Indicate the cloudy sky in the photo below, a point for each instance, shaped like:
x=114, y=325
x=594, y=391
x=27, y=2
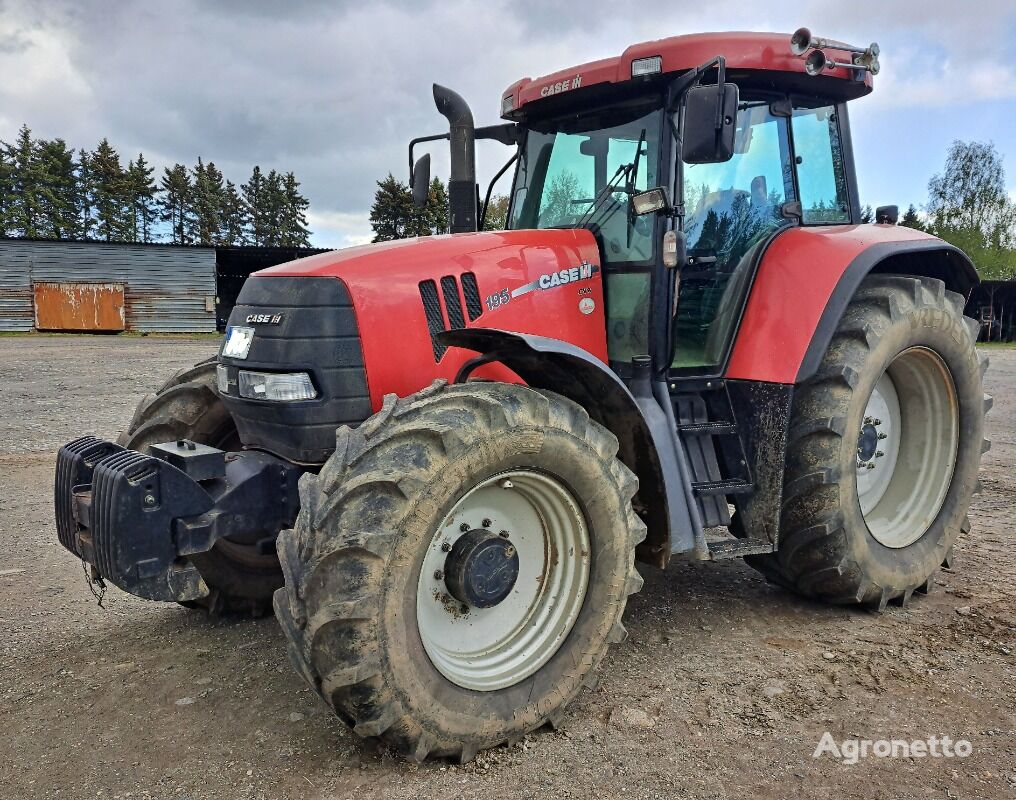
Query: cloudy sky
x=333, y=90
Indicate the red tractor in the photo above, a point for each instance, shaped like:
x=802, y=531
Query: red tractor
x=444, y=456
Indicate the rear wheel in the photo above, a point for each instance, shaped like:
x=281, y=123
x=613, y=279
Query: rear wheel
x=188, y=406
x=460, y=566
x=884, y=448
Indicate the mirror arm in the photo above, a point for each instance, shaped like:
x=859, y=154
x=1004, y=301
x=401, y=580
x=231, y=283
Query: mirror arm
x=419, y=140
x=490, y=188
x=721, y=81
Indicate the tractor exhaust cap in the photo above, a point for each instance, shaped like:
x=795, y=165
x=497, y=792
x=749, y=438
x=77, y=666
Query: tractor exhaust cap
x=462, y=181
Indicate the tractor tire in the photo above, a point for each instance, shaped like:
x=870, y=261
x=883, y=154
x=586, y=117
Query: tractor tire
x=883, y=450
x=383, y=549
x=188, y=407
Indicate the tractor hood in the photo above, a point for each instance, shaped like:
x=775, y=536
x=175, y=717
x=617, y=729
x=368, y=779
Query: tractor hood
x=406, y=292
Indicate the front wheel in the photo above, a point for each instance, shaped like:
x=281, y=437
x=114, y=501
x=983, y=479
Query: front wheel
x=460, y=566
x=884, y=447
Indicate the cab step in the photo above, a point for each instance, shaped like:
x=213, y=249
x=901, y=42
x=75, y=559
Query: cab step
x=709, y=428
x=738, y=548
x=724, y=487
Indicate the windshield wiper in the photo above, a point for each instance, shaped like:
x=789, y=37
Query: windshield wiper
x=627, y=171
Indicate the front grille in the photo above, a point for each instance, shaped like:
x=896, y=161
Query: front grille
x=317, y=334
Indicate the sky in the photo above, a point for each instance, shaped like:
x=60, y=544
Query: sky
x=333, y=90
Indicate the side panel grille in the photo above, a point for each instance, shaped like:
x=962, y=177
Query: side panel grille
x=435, y=320
x=450, y=315
x=453, y=305
x=472, y=292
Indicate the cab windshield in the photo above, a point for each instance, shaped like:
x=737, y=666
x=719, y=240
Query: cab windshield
x=581, y=169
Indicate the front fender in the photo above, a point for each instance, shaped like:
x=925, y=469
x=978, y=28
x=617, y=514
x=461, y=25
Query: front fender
x=646, y=445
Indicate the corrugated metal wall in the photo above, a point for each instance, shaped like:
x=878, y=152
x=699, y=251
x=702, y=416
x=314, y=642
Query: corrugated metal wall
x=167, y=288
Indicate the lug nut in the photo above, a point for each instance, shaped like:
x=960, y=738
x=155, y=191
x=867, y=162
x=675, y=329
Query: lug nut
x=438, y=575
x=869, y=465
x=509, y=552
x=883, y=436
x=464, y=527
x=507, y=484
x=879, y=454
x=486, y=523
x=149, y=499
x=877, y=422
x=503, y=534
x=445, y=547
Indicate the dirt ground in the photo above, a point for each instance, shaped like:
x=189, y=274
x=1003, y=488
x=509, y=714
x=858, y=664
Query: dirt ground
x=723, y=690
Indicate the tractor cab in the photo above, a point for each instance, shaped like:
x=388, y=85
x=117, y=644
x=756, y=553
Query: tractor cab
x=738, y=148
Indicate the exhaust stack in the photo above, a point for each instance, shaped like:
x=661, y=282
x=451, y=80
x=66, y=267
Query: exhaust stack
x=462, y=181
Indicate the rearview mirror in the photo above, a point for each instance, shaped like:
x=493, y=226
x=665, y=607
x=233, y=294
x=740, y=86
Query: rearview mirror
x=650, y=202
x=709, y=116
x=420, y=180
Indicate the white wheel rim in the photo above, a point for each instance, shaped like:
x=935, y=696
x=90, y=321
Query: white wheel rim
x=906, y=450
x=491, y=648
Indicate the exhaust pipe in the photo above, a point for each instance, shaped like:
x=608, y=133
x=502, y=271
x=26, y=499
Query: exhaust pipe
x=462, y=182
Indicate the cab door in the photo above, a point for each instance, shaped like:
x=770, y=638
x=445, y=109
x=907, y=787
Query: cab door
x=731, y=209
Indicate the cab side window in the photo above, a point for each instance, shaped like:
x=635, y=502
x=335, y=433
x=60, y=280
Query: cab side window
x=820, y=173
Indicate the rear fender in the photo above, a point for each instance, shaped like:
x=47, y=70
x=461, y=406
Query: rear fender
x=807, y=278
x=645, y=444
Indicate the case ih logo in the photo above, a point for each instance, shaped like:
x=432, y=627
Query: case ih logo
x=561, y=86
x=268, y=319
x=551, y=280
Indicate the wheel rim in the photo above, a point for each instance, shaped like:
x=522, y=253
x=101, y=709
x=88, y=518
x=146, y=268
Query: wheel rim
x=906, y=448
x=491, y=648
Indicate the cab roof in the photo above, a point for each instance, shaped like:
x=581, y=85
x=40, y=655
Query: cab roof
x=745, y=52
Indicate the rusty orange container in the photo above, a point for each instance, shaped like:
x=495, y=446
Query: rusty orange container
x=79, y=306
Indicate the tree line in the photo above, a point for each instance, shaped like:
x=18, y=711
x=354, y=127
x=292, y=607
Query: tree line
x=393, y=214
x=51, y=191
x=968, y=206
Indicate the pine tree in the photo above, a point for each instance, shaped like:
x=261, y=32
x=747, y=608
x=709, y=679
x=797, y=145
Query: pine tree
x=141, y=190
x=58, y=195
x=867, y=215
x=175, y=203
x=25, y=208
x=252, y=194
x=392, y=214
x=233, y=223
x=6, y=192
x=293, y=231
x=273, y=202
x=112, y=204
x=435, y=213
x=85, y=195
x=911, y=219
x=208, y=202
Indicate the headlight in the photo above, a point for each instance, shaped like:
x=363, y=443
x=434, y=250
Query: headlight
x=222, y=378
x=276, y=385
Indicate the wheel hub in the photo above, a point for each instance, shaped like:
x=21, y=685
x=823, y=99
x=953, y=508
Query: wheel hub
x=481, y=569
x=503, y=580
x=867, y=442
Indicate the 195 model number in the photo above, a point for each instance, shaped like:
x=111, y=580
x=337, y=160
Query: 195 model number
x=502, y=298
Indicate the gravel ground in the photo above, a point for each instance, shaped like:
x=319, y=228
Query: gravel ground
x=723, y=689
